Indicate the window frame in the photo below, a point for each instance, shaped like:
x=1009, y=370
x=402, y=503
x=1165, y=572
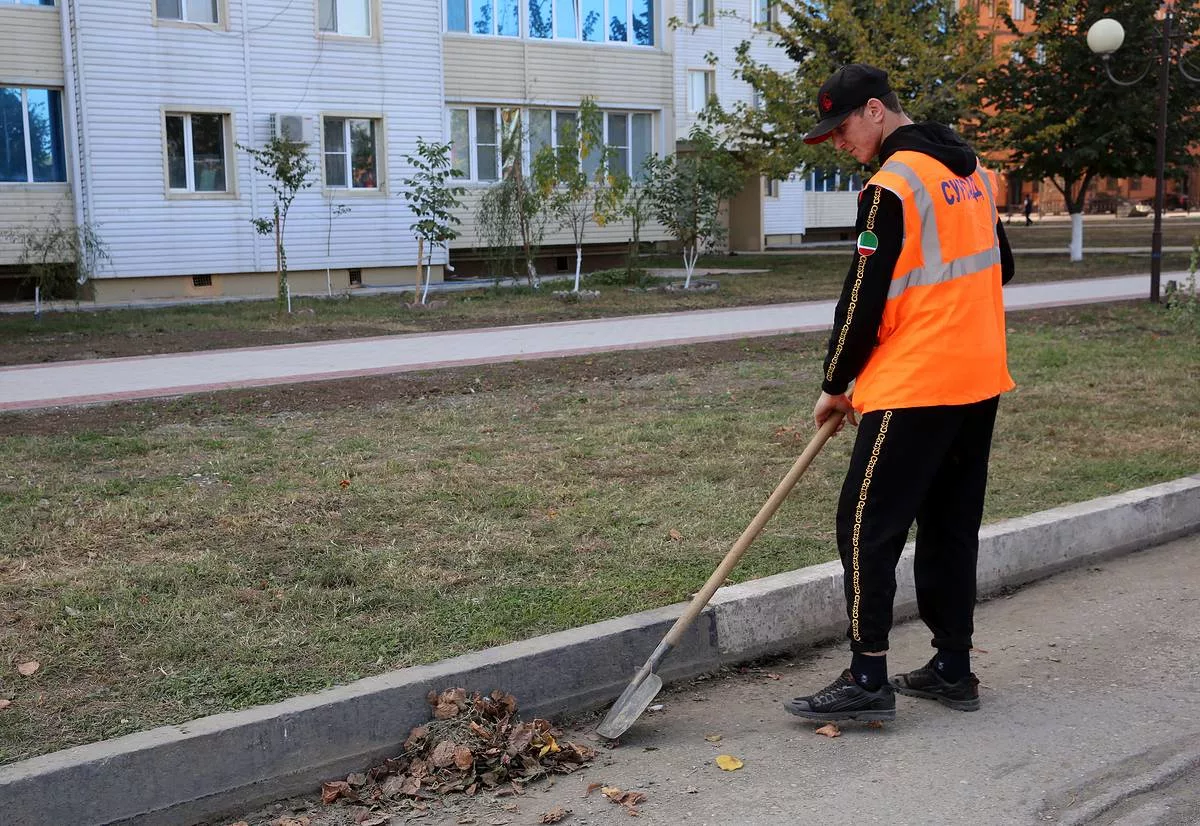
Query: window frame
x=710, y=89
x=374, y=21
x=38, y=5
x=27, y=135
x=772, y=15
x=381, y=177
x=527, y=144
x=228, y=127
x=524, y=29
x=701, y=8
x=222, y=23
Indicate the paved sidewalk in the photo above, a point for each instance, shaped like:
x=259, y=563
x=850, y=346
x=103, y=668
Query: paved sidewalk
x=28, y=387
x=1089, y=716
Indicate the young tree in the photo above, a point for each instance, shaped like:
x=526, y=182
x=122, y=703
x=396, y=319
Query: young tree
x=57, y=258
x=686, y=191
x=514, y=209
x=1054, y=114
x=577, y=180
x=432, y=201
x=932, y=52
x=636, y=207
x=287, y=166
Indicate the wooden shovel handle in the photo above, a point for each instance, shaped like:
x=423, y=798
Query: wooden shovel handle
x=752, y=530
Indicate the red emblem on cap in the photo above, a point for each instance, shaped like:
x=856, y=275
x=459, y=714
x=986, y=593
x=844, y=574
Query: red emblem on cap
x=826, y=102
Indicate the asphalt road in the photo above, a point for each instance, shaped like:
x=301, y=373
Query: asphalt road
x=1090, y=714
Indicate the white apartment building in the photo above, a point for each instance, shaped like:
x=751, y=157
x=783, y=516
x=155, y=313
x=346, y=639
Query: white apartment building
x=128, y=116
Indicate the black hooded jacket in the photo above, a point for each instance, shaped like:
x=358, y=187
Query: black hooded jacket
x=858, y=332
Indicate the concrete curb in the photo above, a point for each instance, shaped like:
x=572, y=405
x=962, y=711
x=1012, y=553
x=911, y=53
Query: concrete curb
x=236, y=761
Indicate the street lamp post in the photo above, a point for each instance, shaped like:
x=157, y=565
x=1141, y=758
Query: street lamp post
x=1105, y=37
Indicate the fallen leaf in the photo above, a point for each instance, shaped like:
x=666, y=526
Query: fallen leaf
x=729, y=763
x=357, y=780
x=463, y=758
x=28, y=669
x=655, y=707
x=240, y=823
x=466, y=820
x=713, y=738
x=6, y=703
x=675, y=535
x=443, y=754
x=592, y=787
x=555, y=815
x=830, y=730
x=345, y=483
x=334, y=789
x=875, y=724
x=499, y=821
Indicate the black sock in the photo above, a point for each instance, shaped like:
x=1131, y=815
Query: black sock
x=952, y=666
x=869, y=672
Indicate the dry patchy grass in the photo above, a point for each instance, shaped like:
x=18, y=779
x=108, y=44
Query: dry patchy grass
x=169, y=560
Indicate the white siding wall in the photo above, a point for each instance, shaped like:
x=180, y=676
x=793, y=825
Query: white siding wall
x=272, y=61
x=785, y=214
x=830, y=209
x=733, y=25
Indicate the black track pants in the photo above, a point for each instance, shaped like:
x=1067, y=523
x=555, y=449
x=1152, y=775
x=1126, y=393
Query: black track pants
x=928, y=464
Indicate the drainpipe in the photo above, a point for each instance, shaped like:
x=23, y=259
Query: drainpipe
x=71, y=121
x=249, y=79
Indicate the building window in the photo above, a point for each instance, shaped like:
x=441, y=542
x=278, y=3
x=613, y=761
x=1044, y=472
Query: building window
x=765, y=12
x=351, y=153
x=591, y=21
x=700, y=12
x=188, y=11
x=348, y=17
x=29, y=2
x=475, y=142
x=700, y=88
x=477, y=139
x=196, y=152
x=499, y=17
x=631, y=137
x=1018, y=9
x=824, y=180
x=31, y=136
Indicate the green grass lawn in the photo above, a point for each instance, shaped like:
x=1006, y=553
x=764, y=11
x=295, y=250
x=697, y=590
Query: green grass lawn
x=164, y=561
x=112, y=333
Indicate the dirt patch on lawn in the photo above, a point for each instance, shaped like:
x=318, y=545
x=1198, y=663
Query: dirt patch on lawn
x=373, y=391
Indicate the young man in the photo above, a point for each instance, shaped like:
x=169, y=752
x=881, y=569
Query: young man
x=919, y=330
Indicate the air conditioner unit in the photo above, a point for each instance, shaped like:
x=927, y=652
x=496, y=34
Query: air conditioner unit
x=290, y=127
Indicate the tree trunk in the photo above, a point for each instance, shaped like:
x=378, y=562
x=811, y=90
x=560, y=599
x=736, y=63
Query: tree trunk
x=578, y=263
x=420, y=263
x=1076, y=236
x=689, y=263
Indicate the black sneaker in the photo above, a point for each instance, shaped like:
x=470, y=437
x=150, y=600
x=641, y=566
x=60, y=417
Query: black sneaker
x=844, y=699
x=927, y=683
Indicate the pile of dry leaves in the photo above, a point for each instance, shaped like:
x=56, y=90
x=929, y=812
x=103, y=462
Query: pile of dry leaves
x=472, y=744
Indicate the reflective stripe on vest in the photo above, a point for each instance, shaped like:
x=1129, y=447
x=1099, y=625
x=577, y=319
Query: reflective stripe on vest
x=934, y=271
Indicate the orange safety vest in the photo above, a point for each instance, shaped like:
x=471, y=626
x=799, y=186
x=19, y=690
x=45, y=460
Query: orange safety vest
x=941, y=340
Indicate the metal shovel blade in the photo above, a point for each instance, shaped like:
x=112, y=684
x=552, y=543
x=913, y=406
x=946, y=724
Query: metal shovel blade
x=629, y=706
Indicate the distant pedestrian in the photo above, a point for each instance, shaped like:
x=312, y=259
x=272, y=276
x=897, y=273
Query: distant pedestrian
x=1028, y=210
x=919, y=330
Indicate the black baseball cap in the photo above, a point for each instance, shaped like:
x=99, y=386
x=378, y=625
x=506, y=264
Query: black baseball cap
x=847, y=89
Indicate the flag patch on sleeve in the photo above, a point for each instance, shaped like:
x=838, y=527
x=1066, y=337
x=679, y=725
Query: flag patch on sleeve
x=868, y=242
